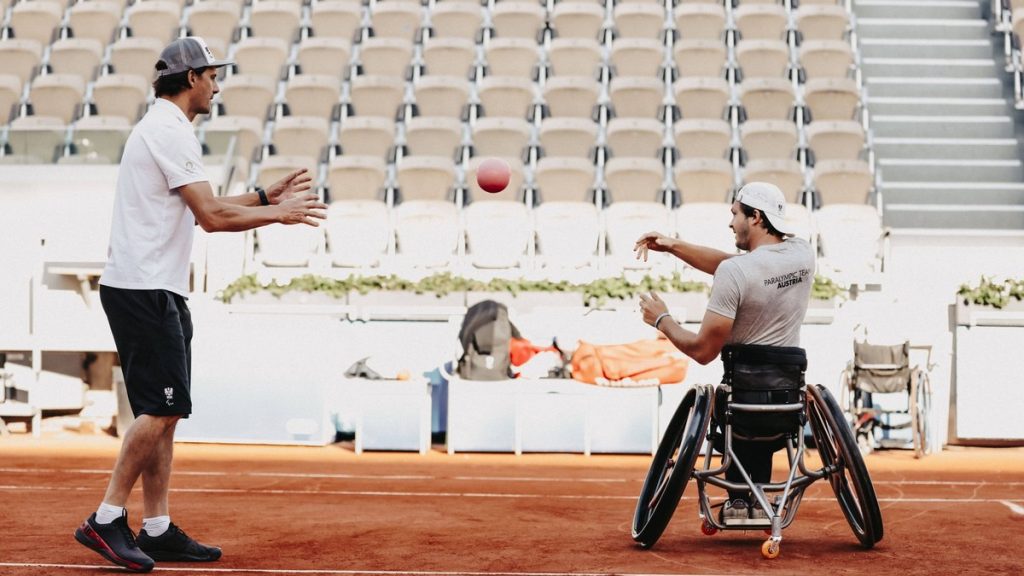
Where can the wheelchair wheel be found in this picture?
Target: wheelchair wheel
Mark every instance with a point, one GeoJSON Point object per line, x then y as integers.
{"type": "Point", "coordinates": [672, 466]}
{"type": "Point", "coordinates": [920, 406]}
{"type": "Point", "coordinates": [850, 481]}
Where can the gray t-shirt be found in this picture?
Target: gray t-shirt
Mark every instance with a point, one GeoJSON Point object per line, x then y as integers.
{"type": "Point", "coordinates": [765, 292]}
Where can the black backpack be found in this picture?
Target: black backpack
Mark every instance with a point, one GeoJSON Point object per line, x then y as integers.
{"type": "Point", "coordinates": [485, 335]}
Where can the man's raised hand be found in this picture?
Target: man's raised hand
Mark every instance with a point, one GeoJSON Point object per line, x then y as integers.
{"type": "Point", "coordinates": [302, 209]}
{"type": "Point", "coordinates": [655, 241]}
{"type": "Point", "coordinates": [296, 182]}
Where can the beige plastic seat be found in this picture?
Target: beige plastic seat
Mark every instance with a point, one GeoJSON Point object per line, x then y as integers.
{"type": "Point", "coordinates": [761, 21]}
{"type": "Point", "coordinates": [157, 19]}
{"type": "Point", "coordinates": [324, 56]}
{"type": "Point", "coordinates": [56, 95]}
{"type": "Point", "coordinates": [763, 58]}
{"type": "Point", "coordinates": [635, 97]}
{"type": "Point", "coordinates": [563, 179]}
{"type": "Point", "coordinates": [702, 138]}
{"type": "Point", "coordinates": [700, 57]}
{"type": "Point", "coordinates": [353, 177]}
{"type": "Point", "coordinates": [704, 179]}
{"type": "Point", "coordinates": [246, 130]}
{"type": "Point", "coordinates": [822, 22]}
{"type": "Point", "coordinates": [10, 94]}
{"type": "Point", "coordinates": [101, 138]}
{"type": "Point", "coordinates": [511, 192]}
{"type": "Point", "coordinates": [826, 58]}
{"type": "Point", "coordinates": [635, 137]}
{"type": "Point", "coordinates": [567, 247]}
{"type": "Point", "coordinates": [78, 56]}
{"type": "Point", "coordinates": [786, 174]}
{"type": "Point", "coordinates": [385, 56]}
{"type": "Point", "coordinates": [19, 57]}
{"type": "Point", "coordinates": [498, 233]}
{"type": "Point", "coordinates": [426, 233]}
{"type": "Point", "coordinates": [707, 224]}
{"type": "Point", "coordinates": [121, 95]}
{"type": "Point", "coordinates": [136, 56]}
{"type": "Point", "coordinates": [36, 20]}
{"type": "Point", "coordinates": [1017, 19]}
{"type": "Point", "coordinates": [512, 57]}
{"type": "Point", "coordinates": [843, 181]}
{"type": "Point", "coordinates": [275, 19]}
{"type": "Point", "coordinates": [699, 21]}
{"type": "Point", "coordinates": [376, 95]}
{"type": "Point", "coordinates": [37, 138]}
{"type": "Point", "coordinates": [767, 98]}
{"type": "Point", "coordinates": [637, 57]}
{"type": "Point", "coordinates": [214, 19]}
{"type": "Point", "coordinates": [245, 95]}
{"type": "Point", "coordinates": [262, 56]}
{"type": "Point", "coordinates": [273, 168]}
{"type": "Point", "coordinates": [441, 95]}
{"type": "Point", "coordinates": [501, 137]}
{"type": "Point", "coordinates": [851, 239]}
{"type": "Point", "coordinates": [358, 232]}
{"type": "Point", "coordinates": [290, 246]}
{"type": "Point", "coordinates": [798, 217]}
{"type": "Point", "coordinates": [97, 19]}
{"type": "Point", "coordinates": [634, 179]}
{"type": "Point", "coordinates": [396, 20]}
{"type": "Point", "coordinates": [507, 96]}
{"type": "Point", "coordinates": [336, 18]}
{"type": "Point", "coordinates": [433, 136]}
{"type": "Point", "coordinates": [573, 137]}
{"type": "Point", "coordinates": [456, 20]}
{"type": "Point", "coordinates": [372, 136]}
{"type": "Point", "coordinates": [836, 139]}
{"type": "Point", "coordinates": [312, 94]}
{"type": "Point", "coordinates": [300, 135]}
{"type": "Point", "coordinates": [768, 139]}
{"type": "Point", "coordinates": [639, 20]}
{"type": "Point", "coordinates": [425, 178]}
{"type": "Point", "coordinates": [702, 97]}
{"type": "Point", "coordinates": [571, 96]}
{"type": "Point", "coordinates": [575, 57]}
{"type": "Point", "coordinates": [449, 57]}
{"type": "Point", "coordinates": [832, 98]}
{"type": "Point", "coordinates": [627, 221]}
{"type": "Point", "coordinates": [577, 19]}
{"type": "Point", "coordinates": [516, 19]}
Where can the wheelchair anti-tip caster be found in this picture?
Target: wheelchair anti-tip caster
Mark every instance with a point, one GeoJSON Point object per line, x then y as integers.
{"type": "Point", "coordinates": [771, 549]}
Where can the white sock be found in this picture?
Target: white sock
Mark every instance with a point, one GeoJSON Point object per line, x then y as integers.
{"type": "Point", "coordinates": [106, 513]}
{"type": "Point", "coordinates": [156, 526]}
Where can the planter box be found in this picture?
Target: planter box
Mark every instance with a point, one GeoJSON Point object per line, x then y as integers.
{"type": "Point", "coordinates": [821, 311]}
{"type": "Point", "coordinates": [1012, 314]}
{"type": "Point", "coordinates": [693, 303]}
{"type": "Point", "coordinates": [384, 305]}
{"type": "Point", "coordinates": [523, 302]}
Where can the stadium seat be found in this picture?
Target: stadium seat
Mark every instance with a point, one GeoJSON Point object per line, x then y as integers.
{"type": "Point", "coordinates": [702, 97]}
{"type": "Point", "coordinates": [352, 177]}
{"type": "Point", "coordinates": [634, 97]}
{"type": "Point", "coordinates": [37, 139]}
{"type": "Point", "coordinates": [784, 173]}
{"type": "Point", "coordinates": [324, 56]}
{"type": "Point", "coordinates": [634, 179]}
{"type": "Point", "coordinates": [57, 95]}
{"type": "Point", "coordinates": [121, 95]}
{"type": "Point", "coordinates": [843, 181]}
{"type": "Point", "coordinates": [450, 56]}
{"type": "Point", "coordinates": [637, 57]}
{"type": "Point", "coordinates": [835, 139]}
{"type": "Point", "coordinates": [763, 58]}
{"type": "Point", "coordinates": [571, 96]}
{"type": "Point", "coordinates": [36, 20]}
{"type": "Point", "coordinates": [703, 138]}
{"type": "Point", "coordinates": [563, 179]}
{"type": "Point", "coordinates": [247, 131]}
{"type": "Point", "coordinates": [699, 57]}
{"type": "Point", "coordinates": [376, 95]}
{"type": "Point", "coordinates": [497, 233]}
{"type": "Point", "coordinates": [282, 245]}
{"type": "Point", "coordinates": [704, 180]}
{"type": "Point", "coordinates": [635, 137]}
{"type": "Point", "coordinates": [571, 19]}
{"type": "Point", "coordinates": [136, 56]}
{"type": "Point", "coordinates": [367, 136]}
{"type": "Point", "coordinates": [822, 21]}
{"type": "Point", "coordinates": [507, 96]}
{"type": "Point", "coordinates": [638, 20]}
{"type": "Point", "coordinates": [78, 56]}
{"type": "Point", "coordinates": [625, 222]}
{"type": "Point", "coordinates": [707, 224]}
{"type": "Point", "coordinates": [396, 20]}
{"type": "Point", "coordinates": [761, 21]}
{"type": "Point", "coordinates": [851, 240]}
{"type": "Point", "coordinates": [425, 178]}
{"type": "Point", "coordinates": [510, 193]}
{"type": "Point", "coordinates": [156, 19]}
{"type": "Point", "coordinates": [575, 57]}
{"type": "Point", "coordinates": [699, 21]}
{"type": "Point", "coordinates": [215, 19]}
{"type": "Point", "coordinates": [768, 139]}
{"type": "Point", "coordinates": [441, 95]}
{"type": "Point", "coordinates": [566, 247]}
{"type": "Point", "coordinates": [273, 168]}
{"type": "Point", "coordinates": [767, 98]}
{"type": "Point", "coordinates": [427, 233]}
{"type": "Point", "coordinates": [433, 136]}
{"type": "Point", "coordinates": [262, 56]}
{"type": "Point", "coordinates": [826, 58]}
{"type": "Point", "coordinates": [101, 137]}
{"type": "Point", "coordinates": [798, 217]}
{"type": "Point", "coordinates": [97, 20]}
{"type": "Point", "coordinates": [832, 98]}
{"type": "Point", "coordinates": [573, 137]}
{"type": "Point", "coordinates": [10, 95]}
{"type": "Point", "coordinates": [512, 57]}
{"type": "Point", "coordinates": [312, 94]}
{"type": "Point", "coordinates": [336, 18]}
{"type": "Point", "coordinates": [358, 232]}
{"type": "Point", "coordinates": [278, 19]}
{"type": "Point", "coordinates": [516, 19]}
{"type": "Point", "coordinates": [245, 95]}
{"type": "Point", "coordinates": [501, 137]}
{"type": "Point", "coordinates": [460, 20]}
{"type": "Point", "coordinates": [300, 136]}
{"type": "Point", "coordinates": [19, 57]}
{"type": "Point", "coordinates": [385, 56]}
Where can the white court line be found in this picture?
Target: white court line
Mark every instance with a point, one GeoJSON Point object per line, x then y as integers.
{"type": "Point", "coordinates": [1013, 507]}
{"type": "Point", "coordinates": [218, 473]}
{"type": "Point", "coordinates": [325, 571]}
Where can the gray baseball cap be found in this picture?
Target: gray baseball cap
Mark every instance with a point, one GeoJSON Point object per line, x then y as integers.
{"type": "Point", "coordinates": [190, 53]}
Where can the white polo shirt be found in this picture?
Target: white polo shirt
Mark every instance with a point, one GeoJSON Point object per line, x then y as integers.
{"type": "Point", "coordinates": [152, 230]}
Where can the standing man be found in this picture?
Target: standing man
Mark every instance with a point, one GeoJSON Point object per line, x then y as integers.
{"type": "Point", "coordinates": [758, 298]}
{"type": "Point", "coordinates": [162, 193]}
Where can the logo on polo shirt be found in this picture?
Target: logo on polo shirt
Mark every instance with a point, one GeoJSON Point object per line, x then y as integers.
{"type": "Point", "coordinates": [189, 166]}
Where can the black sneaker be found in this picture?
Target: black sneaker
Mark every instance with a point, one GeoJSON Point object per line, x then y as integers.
{"type": "Point", "coordinates": [115, 542]}
{"type": "Point", "coordinates": [176, 546]}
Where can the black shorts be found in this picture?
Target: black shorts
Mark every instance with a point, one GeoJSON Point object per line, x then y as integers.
{"type": "Point", "coordinates": [153, 333]}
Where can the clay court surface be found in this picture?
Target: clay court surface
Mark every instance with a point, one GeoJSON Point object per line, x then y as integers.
{"type": "Point", "coordinates": [296, 510]}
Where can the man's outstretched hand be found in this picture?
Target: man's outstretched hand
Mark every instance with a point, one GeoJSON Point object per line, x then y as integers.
{"type": "Point", "coordinates": [655, 241]}
{"type": "Point", "coordinates": [294, 183]}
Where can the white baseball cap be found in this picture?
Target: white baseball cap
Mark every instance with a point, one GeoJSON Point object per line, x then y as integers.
{"type": "Point", "coordinates": [189, 53]}
{"type": "Point", "coordinates": [769, 200]}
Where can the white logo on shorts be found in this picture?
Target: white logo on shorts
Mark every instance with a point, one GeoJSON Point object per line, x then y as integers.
{"type": "Point", "coordinates": [169, 392]}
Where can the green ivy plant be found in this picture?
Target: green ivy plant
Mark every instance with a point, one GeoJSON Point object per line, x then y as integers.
{"type": "Point", "coordinates": [826, 289]}
{"type": "Point", "coordinates": [992, 292]}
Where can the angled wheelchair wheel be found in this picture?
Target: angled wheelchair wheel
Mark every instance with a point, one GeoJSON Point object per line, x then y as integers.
{"type": "Point", "coordinates": [672, 466]}
{"type": "Point", "coordinates": [849, 479]}
{"type": "Point", "coordinates": [920, 406]}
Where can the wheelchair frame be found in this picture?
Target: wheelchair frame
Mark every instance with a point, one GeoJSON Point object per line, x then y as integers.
{"type": "Point", "coordinates": [674, 465]}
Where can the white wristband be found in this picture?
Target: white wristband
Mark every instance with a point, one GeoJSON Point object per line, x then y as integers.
{"type": "Point", "coordinates": [660, 317]}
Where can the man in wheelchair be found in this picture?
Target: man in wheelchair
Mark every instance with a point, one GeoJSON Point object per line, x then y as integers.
{"type": "Point", "coordinates": [757, 305]}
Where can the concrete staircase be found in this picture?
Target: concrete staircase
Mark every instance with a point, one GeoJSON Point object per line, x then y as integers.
{"type": "Point", "coordinates": [945, 136]}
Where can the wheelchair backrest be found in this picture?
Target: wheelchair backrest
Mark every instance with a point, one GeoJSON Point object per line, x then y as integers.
{"type": "Point", "coordinates": [881, 368]}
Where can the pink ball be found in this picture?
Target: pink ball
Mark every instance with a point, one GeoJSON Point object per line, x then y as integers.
{"type": "Point", "coordinates": [493, 174]}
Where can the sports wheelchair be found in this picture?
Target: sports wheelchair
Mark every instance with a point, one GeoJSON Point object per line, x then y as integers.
{"type": "Point", "coordinates": [886, 370]}
{"type": "Point", "coordinates": [757, 406]}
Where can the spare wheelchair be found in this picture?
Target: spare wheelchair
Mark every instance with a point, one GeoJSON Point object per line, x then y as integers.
{"type": "Point", "coordinates": [880, 370]}
{"type": "Point", "coordinates": [755, 404]}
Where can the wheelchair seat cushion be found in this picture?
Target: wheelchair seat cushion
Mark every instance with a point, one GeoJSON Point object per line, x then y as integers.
{"type": "Point", "coordinates": [764, 375]}
{"type": "Point", "coordinates": [881, 368]}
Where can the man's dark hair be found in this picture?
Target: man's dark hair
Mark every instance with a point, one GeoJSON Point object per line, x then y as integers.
{"type": "Point", "coordinates": [749, 212]}
{"type": "Point", "coordinates": [172, 84]}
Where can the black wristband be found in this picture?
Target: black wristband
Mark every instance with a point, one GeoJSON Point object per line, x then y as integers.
{"type": "Point", "coordinates": [264, 201]}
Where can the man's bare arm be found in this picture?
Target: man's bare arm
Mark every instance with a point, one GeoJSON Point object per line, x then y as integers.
{"type": "Point", "coordinates": [700, 257]}
{"type": "Point", "coordinates": [703, 346]}
{"type": "Point", "coordinates": [216, 215]}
